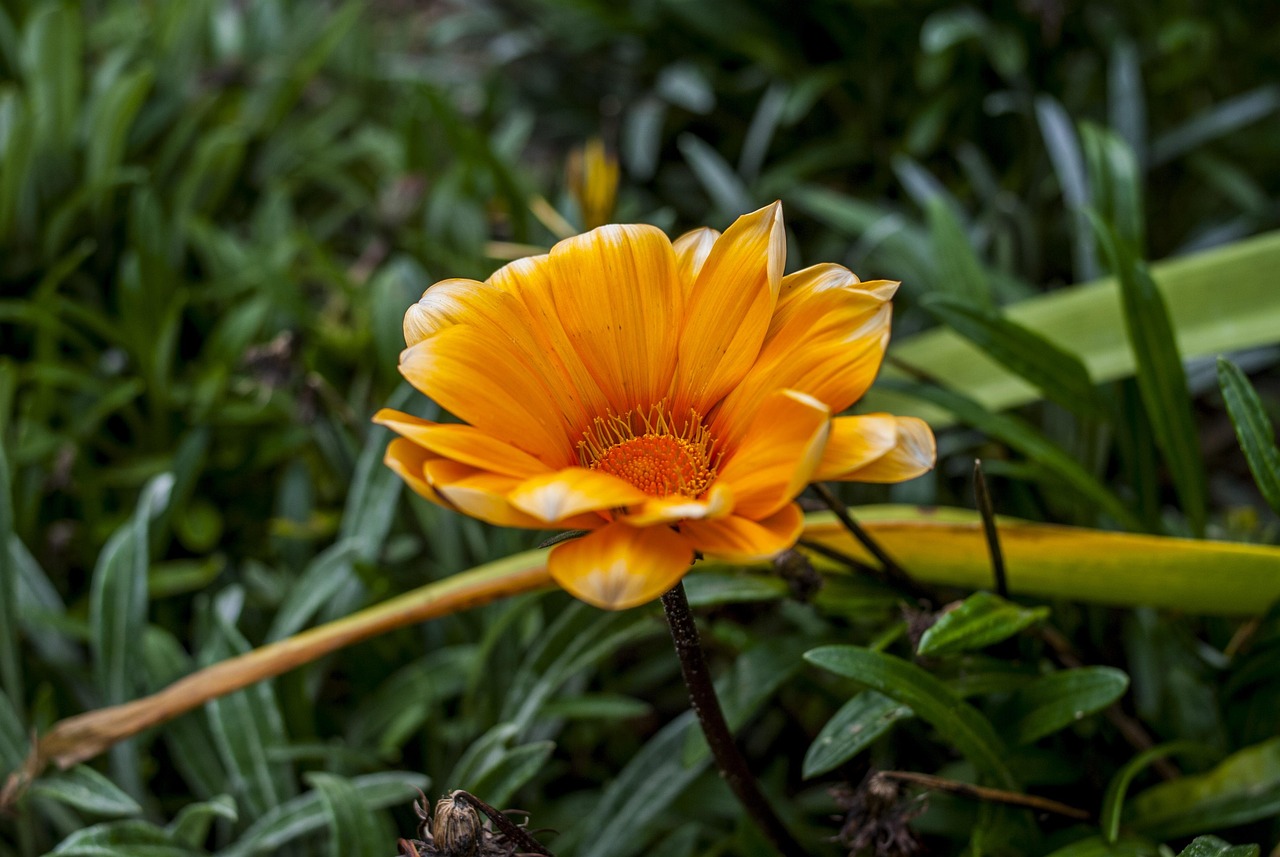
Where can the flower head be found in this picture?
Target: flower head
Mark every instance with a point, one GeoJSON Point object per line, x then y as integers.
{"type": "Point", "coordinates": [669, 397]}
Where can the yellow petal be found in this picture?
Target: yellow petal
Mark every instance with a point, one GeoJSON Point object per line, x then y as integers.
{"type": "Point", "coordinates": [618, 566]}
{"type": "Point", "coordinates": [480, 378]}
{"type": "Point", "coordinates": [459, 301]}
{"type": "Point", "coordinates": [914, 452]}
{"type": "Point", "coordinates": [552, 497]}
{"type": "Point", "coordinates": [406, 458]}
{"type": "Point", "coordinates": [855, 442]}
{"type": "Point", "coordinates": [462, 443]}
{"type": "Point", "coordinates": [739, 539]}
{"type": "Point", "coordinates": [692, 249]}
{"type": "Point", "coordinates": [618, 298]}
{"type": "Point", "coordinates": [729, 309]}
{"type": "Point", "coordinates": [778, 454]}
{"type": "Point", "coordinates": [477, 493]}
{"type": "Point", "coordinates": [673, 508]}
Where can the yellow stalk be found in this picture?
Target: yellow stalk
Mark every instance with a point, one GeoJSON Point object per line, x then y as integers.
{"type": "Point", "coordinates": [937, 546]}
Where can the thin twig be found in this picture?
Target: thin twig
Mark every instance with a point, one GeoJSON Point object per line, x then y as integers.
{"type": "Point", "coordinates": [892, 571]}
{"type": "Point", "coordinates": [1129, 728]}
{"type": "Point", "coordinates": [524, 841]}
{"type": "Point", "coordinates": [988, 512]}
{"type": "Point", "coordinates": [702, 697]}
{"type": "Point", "coordinates": [839, 556]}
{"type": "Point", "coordinates": [983, 793]}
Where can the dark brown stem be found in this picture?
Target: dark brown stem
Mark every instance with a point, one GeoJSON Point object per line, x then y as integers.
{"type": "Point", "coordinates": [521, 838]}
{"type": "Point", "coordinates": [982, 793]}
{"type": "Point", "coordinates": [839, 556]}
{"type": "Point", "coordinates": [985, 507]}
{"type": "Point", "coordinates": [702, 697]}
{"type": "Point", "coordinates": [892, 571]}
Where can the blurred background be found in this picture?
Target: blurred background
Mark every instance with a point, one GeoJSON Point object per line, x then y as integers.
{"type": "Point", "coordinates": [213, 214]}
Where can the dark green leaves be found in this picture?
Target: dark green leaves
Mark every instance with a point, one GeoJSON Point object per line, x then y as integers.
{"type": "Point", "coordinates": [1057, 700]}
{"type": "Point", "coordinates": [979, 621]}
{"type": "Point", "coordinates": [1253, 429]}
{"type": "Point", "coordinates": [856, 726]}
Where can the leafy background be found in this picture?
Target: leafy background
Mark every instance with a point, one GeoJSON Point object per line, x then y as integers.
{"type": "Point", "coordinates": [213, 214]}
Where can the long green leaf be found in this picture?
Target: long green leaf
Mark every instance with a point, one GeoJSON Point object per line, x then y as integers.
{"type": "Point", "coordinates": [10, 664]}
{"type": "Point", "coordinates": [852, 729]}
{"type": "Point", "coordinates": [980, 620]}
{"type": "Point", "coordinates": [956, 720]}
{"type": "Point", "coordinates": [1253, 429]}
{"type": "Point", "coordinates": [1057, 700]}
{"type": "Point", "coordinates": [1162, 380]}
{"type": "Point", "coordinates": [1088, 320]}
{"type": "Point", "coordinates": [353, 829]}
{"type": "Point", "coordinates": [1118, 788]}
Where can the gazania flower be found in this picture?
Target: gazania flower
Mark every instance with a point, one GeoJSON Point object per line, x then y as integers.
{"type": "Point", "coordinates": [671, 398]}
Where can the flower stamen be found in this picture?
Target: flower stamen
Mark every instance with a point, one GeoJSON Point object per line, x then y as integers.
{"type": "Point", "coordinates": [653, 452]}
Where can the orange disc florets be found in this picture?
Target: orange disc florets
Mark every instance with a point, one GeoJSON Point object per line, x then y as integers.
{"type": "Point", "coordinates": [653, 453]}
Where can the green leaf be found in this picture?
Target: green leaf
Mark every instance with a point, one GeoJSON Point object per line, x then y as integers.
{"type": "Point", "coordinates": [1212, 846]}
{"type": "Point", "coordinates": [353, 828]}
{"type": "Point", "coordinates": [517, 767]}
{"type": "Point", "coordinates": [598, 706]}
{"type": "Point", "coordinates": [1115, 181]}
{"type": "Point", "coordinates": [52, 64]}
{"type": "Point", "coordinates": [960, 271]}
{"type": "Point", "coordinates": [306, 814]}
{"type": "Point", "coordinates": [1118, 788]}
{"type": "Point", "coordinates": [1068, 163]}
{"type": "Point", "coordinates": [10, 662]}
{"type": "Point", "coordinates": [708, 589]}
{"type": "Point", "coordinates": [122, 839]}
{"type": "Point", "coordinates": [728, 193]}
{"type": "Point", "coordinates": [1245, 787]}
{"type": "Point", "coordinates": [14, 743]}
{"type": "Point", "coordinates": [958, 722]}
{"type": "Point", "coordinates": [1096, 846]}
{"type": "Point", "coordinates": [85, 789]}
{"type": "Point", "coordinates": [856, 726]}
{"type": "Point", "coordinates": [1162, 380]}
{"type": "Point", "coordinates": [1056, 372]}
{"type": "Point", "coordinates": [191, 826]}
{"type": "Point", "coordinates": [1057, 700]}
{"type": "Point", "coordinates": [1253, 429]}
{"type": "Point", "coordinates": [979, 621]}
{"type": "Point", "coordinates": [1019, 435]}
{"type": "Point", "coordinates": [109, 123]}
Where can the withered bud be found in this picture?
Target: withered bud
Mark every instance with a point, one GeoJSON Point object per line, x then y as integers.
{"type": "Point", "coordinates": [456, 827]}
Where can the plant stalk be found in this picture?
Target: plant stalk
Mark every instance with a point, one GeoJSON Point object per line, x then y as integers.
{"type": "Point", "coordinates": [702, 697]}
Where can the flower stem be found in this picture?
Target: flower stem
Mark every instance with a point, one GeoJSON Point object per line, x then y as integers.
{"type": "Point", "coordinates": [702, 697]}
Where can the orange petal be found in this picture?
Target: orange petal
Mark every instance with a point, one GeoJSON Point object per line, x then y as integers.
{"type": "Point", "coordinates": [729, 309]}
{"type": "Point", "coordinates": [406, 458]}
{"type": "Point", "coordinates": [855, 442]}
{"type": "Point", "coordinates": [739, 539]}
{"type": "Point", "coordinates": [618, 298]}
{"type": "Point", "coordinates": [552, 497]}
{"type": "Point", "coordinates": [463, 443]}
{"type": "Point", "coordinates": [914, 452]}
{"type": "Point", "coordinates": [618, 566]}
{"type": "Point", "coordinates": [778, 454]}
{"type": "Point", "coordinates": [692, 249]}
{"type": "Point", "coordinates": [674, 508]}
{"type": "Point", "coordinates": [480, 378]}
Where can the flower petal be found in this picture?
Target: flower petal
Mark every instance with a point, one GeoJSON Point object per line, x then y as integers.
{"type": "Point", "coordinates": [778, 454]}
{"type": "Point", "coordinates": [914, 452]}
{"type": "Point", "coordinates": [462, 443]}
{"type": "Point", "coordinates": [476, 374]}
{"type": "Point", "coordinates": [478, 493]}
{"type": "Point", "coordinates": [618, 566]}
{"type": "Point", "coordinates": [406, 458]}
{"type": "Point", "coordinates": [729, 309]}
{"type": "Point", "coordinates": [553, 497]}
{"type": "Point", "coordinates": [692, 249]}
{"type": "Point", "coordinates": [739, 539]}
{"type": "Point", "coordinates": [674, 508]}
{"type": "Point", "coordinates": [618, 297]}
{"type": "Point", "coordinates": [856, 442]}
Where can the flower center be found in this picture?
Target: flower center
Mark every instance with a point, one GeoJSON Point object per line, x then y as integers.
{"type": "Point", "coordinates": [651, 451]}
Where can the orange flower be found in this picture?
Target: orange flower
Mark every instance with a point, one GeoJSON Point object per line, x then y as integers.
{"type": "Point", "coordinates": [671, 398]}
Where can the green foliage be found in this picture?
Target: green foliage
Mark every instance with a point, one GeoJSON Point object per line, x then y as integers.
{"type": "Point", "coordinates": [213, 215]}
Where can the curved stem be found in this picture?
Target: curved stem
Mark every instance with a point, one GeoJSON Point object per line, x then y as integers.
{"type": "Point", "coordinates": [702, 697]}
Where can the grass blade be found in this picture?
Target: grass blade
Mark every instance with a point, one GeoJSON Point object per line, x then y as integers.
{"type": "Point", "coordinates": [1253, 429]}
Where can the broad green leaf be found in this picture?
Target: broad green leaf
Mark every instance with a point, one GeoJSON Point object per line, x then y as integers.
{"type": "Point", "coordinates": [852, 729]}
{"type": "Point", "coordinates": [1021, 436]}
{"type": "Point", "coordinates": [306, 813]}
{"type": "Point", "coordinates": [708, 589]}
{"type": "Point", "coordinates": [1057, 700]}
{"type": "Point", "coordinates": [1212, 846]}
{"type": "Point", "coordinates": [1056, 372]}
{"type": "Point", "coordinates": [960, 271]}
{"type": "Point", "coordinates": [979, 621]}
{"type": "Point", "coordinates": [1162, 380]}
{"type": "Point", "coordinates": [353, 829]}
{"type": "Point", "coordinates": [1088, 320]}
{"type": "Point", "coordinates": [85, 789]}
{"type": "Point", "coordinates": [958, 722]}
{"type": "Point", "coordinates": [190, 827]}
{"type": "Point", "coordinates": [1244, 787]}
{"type": "Point", "coordinates": [1253, 429]}
{"type": "Point", "coordinates": [1118, 788]}
{"type": "Point", "coordinates": [946, 547]}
